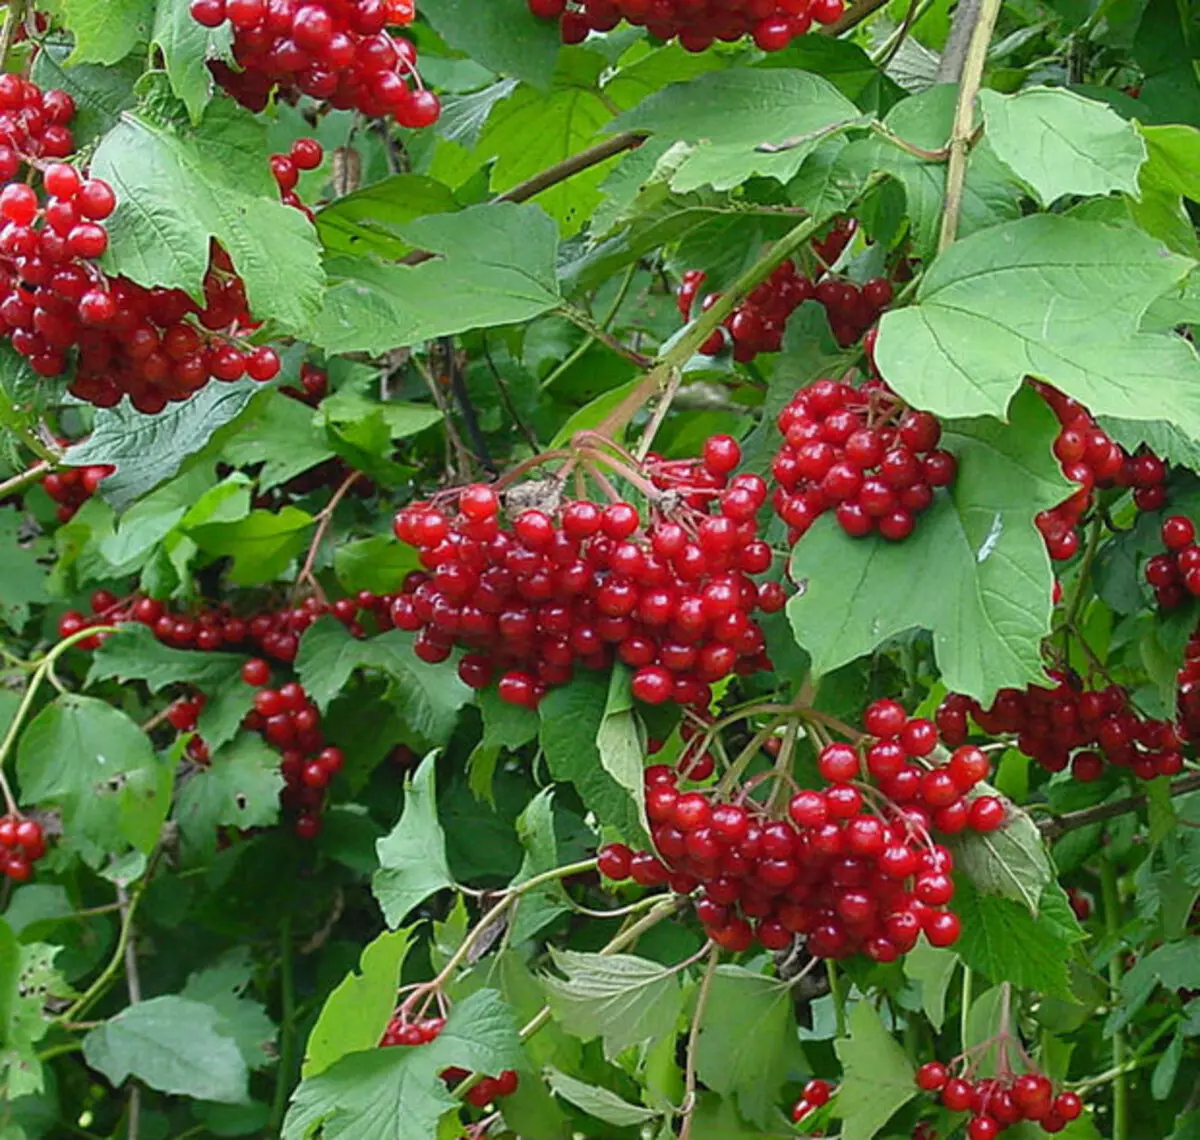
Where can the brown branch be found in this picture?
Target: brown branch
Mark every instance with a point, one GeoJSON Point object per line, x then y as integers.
{"type": "Point", "coordinates": [1058, 825]}
{"type": "Point", "coordinates": [553, 175]}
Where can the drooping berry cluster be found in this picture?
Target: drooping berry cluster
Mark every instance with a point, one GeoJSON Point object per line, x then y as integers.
{"type": "Point", "coordinates": [154, 345]}
{"type": "Point", "coordinates": [1090, 458]}
{"type": "Point", "coordinates": [404, 1032]}
{"type": "Point", "coordinates": [669, 593]}
{"type": "Point", "coordinates": [697, 24]}
{"type": "Point", "coordinates": [71, 487]}
{"type": "Point", "coordinates": [1067, 725]}
{"type": "Point", "coordinates": [997, 1103]}
{"type": "Point", "coordinates": [758, 323]}
{"type": "Point", "coordinates": [861, 453]}
{"type": "Point", "coordinates": [22, 843]}
{"type": "Point", "coordinates": [337, 51]}
{"type": "Point", "coordinates": [306, 154]}
{"type": "Point", "coordinates": [284, 715]}
{"type": "Point", "coordinates": [1175, 575]}
{"type": "Point", "coordinates": [1187, 694]}
{"type": "Point", "coordinates": [852, 868]}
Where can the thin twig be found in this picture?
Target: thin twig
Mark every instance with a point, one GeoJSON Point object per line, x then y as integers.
{"type": "Point", "coordinates": [553, 175]}
{"type": "Point", "coordinates": [458, 386]}
{"type": "Point", "coordinates": [457, 459]}
{"type": "Point", "coordinates": [17, 483]}
{"type": "Point", "coordinates": [582, 347]}
{"type": "Point", "coordinates": [323, 520]}
{"type": "Point", "coordinates": [852, 17]}
{"type": "Point", "coordinates": [963, 129]}
{"type": "Point", "coordinates": [891, 48]}
{"type": "Point", "coordinates": [1058, 825]}
{"type": "Point", "coordinates": [693, 1043]}
{"type": "Point", "coordinates": [133, 984]}
{"type": "Point", "coordinates": [12, 21]}
{"type": "Point", "coordinates": [506, 397]}
{"type": "Point", "coordinates": [660, 414]}
{"type": "Point", "coordinates": [601, 334]}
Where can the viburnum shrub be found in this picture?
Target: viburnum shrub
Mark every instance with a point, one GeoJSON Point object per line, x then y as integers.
{"type": "Point", "coordinates": [635, 579]}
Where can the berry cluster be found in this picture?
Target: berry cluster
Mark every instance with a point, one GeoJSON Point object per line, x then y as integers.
{"type": "Point", "coordinates": [401, 1031]}
{"type": "Point", "coordinates": [997, 1103]}
{"type": "Point", "coordinates": [71, 487]}
{"type": "Point", "coordinates": [697, 24]}
{"type": "Point", "coordinates": [1187, 681]}
{"type": "Point", "coordinates": [851, 872]}
{"type": "Point", "coordinates": [671, 594]}
{"type": "Point", "coordinates": [338, 51]}
{"type": "Point", "coordinates": [154, 345]}
{"type": "Point", "coordinates": [1067, 725]}
{"type": "Point", "coordinates": [758, 323]}
{"type": "Point", "coordinates": [1090, 458]}
{"type": "Point", "coordinates": [816, 1094]}
{"type": "Point", "coordinates": [306, 154]}
{"type": "Point", "coordinates": [860, 452]}
{"type": "Point", "coordinates": [22, 843]}
{"type": "Point", "coordinates": [284, 716]}
{"type": "Point", "coordinates": [1175, 575]}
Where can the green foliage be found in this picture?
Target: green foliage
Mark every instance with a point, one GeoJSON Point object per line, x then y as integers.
{"type": "Point", "coordinates": [218, 918]}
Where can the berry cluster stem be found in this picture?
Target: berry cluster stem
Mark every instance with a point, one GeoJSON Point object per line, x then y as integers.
{"type": "Point", "coordinates": [1112, 928]}
{"type": "Point", "coordinates": [18, 483]}
{"type": "Point", "coordinates": [963, 129]}
{"type": "Point", "coordinates": [691, 338]}
{"type": "Point", "coordinates": [43, 670]}
{"type": "Point", "coordinates": [693, 1042]}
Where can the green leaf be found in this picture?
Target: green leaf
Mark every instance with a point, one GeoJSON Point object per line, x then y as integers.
{"type": "Point", "coordinates": [133, 653]}
{"type": "Point", "coordinates": [1168, 176]}
{"type": "Point", "coordinates": [187, 46]}
{"type": "Point", "coordinates": [623, 999]}
{"type": "Point", "coordinates": [94, 763]}
{"type": "Point", "coordinates": [173, 1045]}
{"type": "Point", "coordinates": [430, 696]}
{"type": "Point", "coordinates": [1174, 966]}
{"type": "Point", "coordinates": [283, 435]}
{"type": "Point", "coordinates": [497, 268]}
{"type": "Point", "coordinates": [572, 717]}
{"type": "Point", "coordinates": [1002, 941]}
{"type": "Point", "coordinates": [221, 986]}
{"type": "Point", "coordinates": [106, 33]}
{"type": "Point", "coordinates": [348, 406]}
{"type": "Point", "coordinates": [878, 1076]}
{"type": "Point", "coordinates": [503, 36]}
{"type": "Point", "coordinates": [1006, 303]}
{"type": "Point", "coordinates": [975, 572]}
{"type": "Point", "coordinates": [398, 1094]}
{"type": "Point", "coordinates": [727, 115]}
{"type": "Point", "coordinates": [747, 1040]}
{"type": "Point", "coordinates": [537, 909]}
{"type": "Point", "coordinates": [990, 195]}
{"type": "Point", "coordinates": [932, 968]}
{"type": "Point", "coordinates": [371, 220]}
{"type": "Point", "coordinates": [1011, 862]}
{"type": "Point", "coordinates": [619, 739]}
{"type": "Point", "coordinates": [148, 450]}
{"type": "Point", "coordinates": [378, 564]}
{"type": "Point", "coordinates": [1162, 1081]}
{"type": "Point", "coordinates": [178, 189]}
{"type": "Point", "coordinates": [22, 578]}
{"type": "Point", "coordinates": [29, 978]}
{"type": "Point", "coordinates": [262, 545]}
{"type": "Point", "coordinates": [412, 856]}
{"type": "Point", "coordinates": [1060, 143]}
{"type": "Point", "coordinates": [597, 1101]}
{"type": "Point", "coordinates": [355, 1015]}
{"type": "Point", "coordinates": [100, 93]}
{"type": "Point", "coordinates": [239, 788]}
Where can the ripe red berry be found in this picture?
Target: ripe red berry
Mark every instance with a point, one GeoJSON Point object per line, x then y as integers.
{"type": "Point", "coordinates": [932, 1076]}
